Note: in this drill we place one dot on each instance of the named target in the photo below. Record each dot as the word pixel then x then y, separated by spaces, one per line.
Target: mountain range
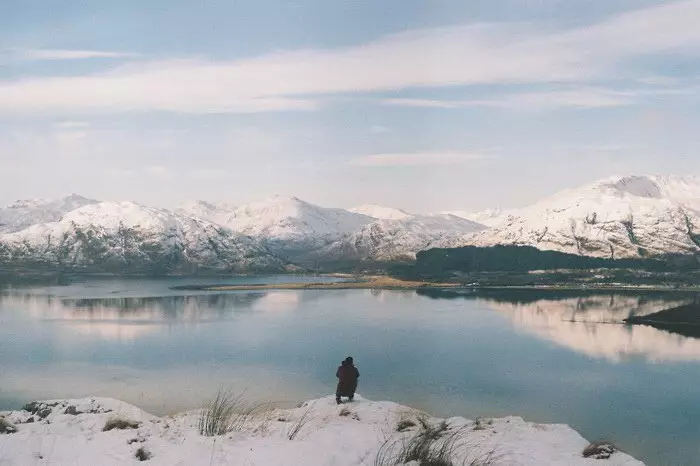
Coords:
pixel 632 216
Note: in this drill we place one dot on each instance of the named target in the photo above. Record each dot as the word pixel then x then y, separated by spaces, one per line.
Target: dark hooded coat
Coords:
pixel 347 375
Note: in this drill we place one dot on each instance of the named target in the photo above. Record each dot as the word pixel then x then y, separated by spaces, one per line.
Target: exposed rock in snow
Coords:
pixel 618 217
pixel 381 212
pixel 129 237
pixel 317 433
pixel 24 213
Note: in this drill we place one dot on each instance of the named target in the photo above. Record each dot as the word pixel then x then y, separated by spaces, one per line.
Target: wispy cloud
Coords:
pixel 65 54
pixel 578 98
pixel 70 124
pixel 379 129
pixel 418 159
pixel 468 54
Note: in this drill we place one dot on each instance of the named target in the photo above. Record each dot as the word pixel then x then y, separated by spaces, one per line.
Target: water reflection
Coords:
pixel 592 324
pixel 132 310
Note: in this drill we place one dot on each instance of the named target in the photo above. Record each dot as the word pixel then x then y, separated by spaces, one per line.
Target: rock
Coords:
pixel 599 450
pixel 6 427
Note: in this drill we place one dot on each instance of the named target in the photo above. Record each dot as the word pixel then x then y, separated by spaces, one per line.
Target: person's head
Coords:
pixel 348 360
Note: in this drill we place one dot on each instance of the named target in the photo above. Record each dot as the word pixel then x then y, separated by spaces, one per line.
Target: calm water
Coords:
pixel 547 358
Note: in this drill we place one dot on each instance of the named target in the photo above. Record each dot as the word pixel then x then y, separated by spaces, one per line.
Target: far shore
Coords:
pixel 370 282
pixel 388 283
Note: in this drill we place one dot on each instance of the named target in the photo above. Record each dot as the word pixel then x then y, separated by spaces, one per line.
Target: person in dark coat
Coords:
pixel 347 375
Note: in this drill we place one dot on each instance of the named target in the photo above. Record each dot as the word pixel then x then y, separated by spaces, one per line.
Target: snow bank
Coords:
pixel 322 433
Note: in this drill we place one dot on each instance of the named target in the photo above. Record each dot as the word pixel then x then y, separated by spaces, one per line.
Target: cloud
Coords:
pixel 379 129
pixel 157 170
pixel 577 98
pixel 61 54
pixel 70 124
pixel 461 55
pixel 418 159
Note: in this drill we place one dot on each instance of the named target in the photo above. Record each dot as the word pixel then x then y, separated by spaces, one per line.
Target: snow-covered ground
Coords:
pixel 318 432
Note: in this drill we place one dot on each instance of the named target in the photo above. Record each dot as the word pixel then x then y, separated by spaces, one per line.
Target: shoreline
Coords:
pixel 368 283
pixel 373 282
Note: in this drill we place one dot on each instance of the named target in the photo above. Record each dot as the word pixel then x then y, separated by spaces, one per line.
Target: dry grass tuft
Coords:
pixel 225 413
pixel 438 445
pixel 119 423
pixel 299 425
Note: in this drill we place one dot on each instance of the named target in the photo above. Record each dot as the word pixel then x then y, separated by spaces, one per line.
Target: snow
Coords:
pixel 27 212
pixel 488 217
pixel 287 219
pixel 107 224
pixel 216 212
pixel 70 432
pixel 616 217
pixel 387 239
pixel 377 211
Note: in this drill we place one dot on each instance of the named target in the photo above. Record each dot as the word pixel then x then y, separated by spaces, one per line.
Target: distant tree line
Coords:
pixel 435 263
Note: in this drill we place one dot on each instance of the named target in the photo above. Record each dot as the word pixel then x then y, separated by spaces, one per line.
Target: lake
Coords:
pixel 545 356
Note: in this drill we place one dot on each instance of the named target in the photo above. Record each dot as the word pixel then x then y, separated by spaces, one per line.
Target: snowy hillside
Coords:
pixel 286 224
pixel 617 217
pixel 387 240
pixel 318 432
pixel 377 211
pixel 488 217
pixel 129 237
pixel 25 213
pixel 215 212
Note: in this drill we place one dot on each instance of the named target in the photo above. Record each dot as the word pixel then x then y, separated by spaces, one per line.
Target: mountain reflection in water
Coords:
pixel 592 323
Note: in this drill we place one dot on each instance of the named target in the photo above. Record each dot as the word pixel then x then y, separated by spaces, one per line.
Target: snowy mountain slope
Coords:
pixel 307 233
pixel 387 239
pixel 377 211
pixel 488 217
pixel 617 217
pixel 129 237
pixel 24 213
pixel 287 224
pixel 215 212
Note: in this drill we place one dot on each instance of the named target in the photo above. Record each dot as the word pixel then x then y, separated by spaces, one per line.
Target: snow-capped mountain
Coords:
pixel 129 237
pixel 377 211
pixel 307 233
pixel 215 212
pixel 24 213
pixel 401 239
pixel 488 217
pixel 617 217
pixel 287 225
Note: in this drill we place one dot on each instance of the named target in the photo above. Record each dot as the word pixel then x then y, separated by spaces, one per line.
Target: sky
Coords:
pixel 421 105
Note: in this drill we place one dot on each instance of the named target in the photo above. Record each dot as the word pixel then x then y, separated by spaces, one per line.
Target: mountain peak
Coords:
pixel 635 185
pixel 380 212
